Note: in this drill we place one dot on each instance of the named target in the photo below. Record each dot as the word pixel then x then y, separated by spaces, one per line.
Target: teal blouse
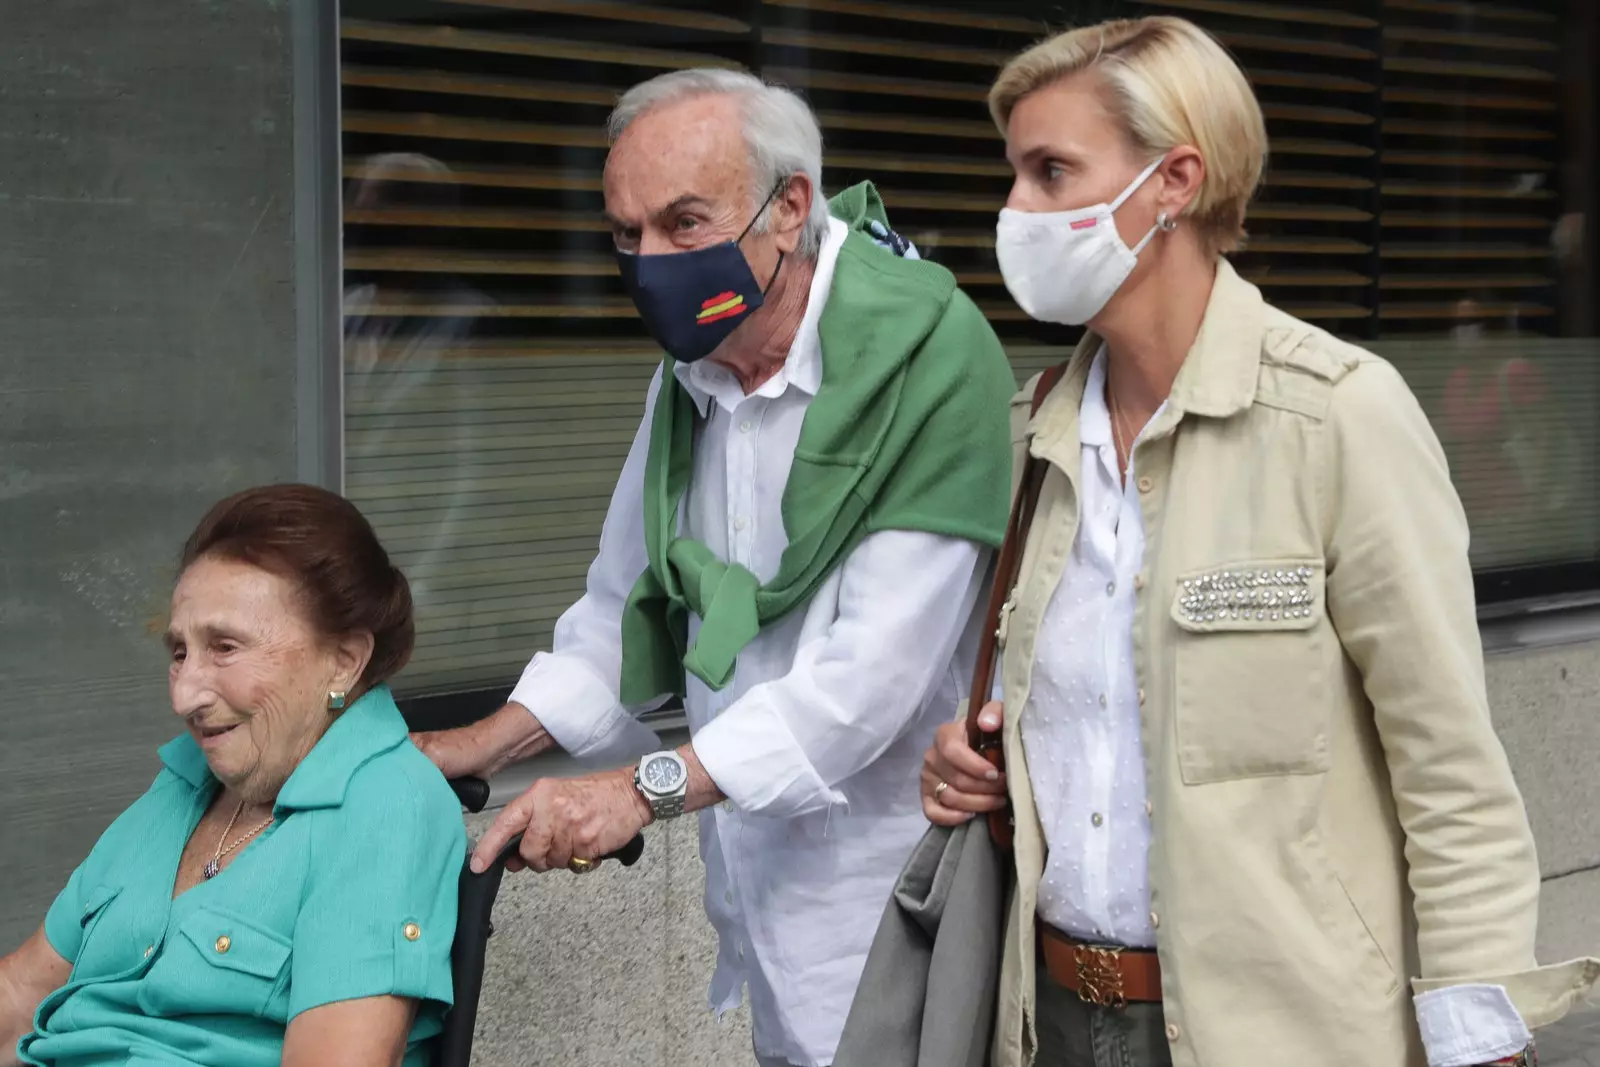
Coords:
pixel 350 893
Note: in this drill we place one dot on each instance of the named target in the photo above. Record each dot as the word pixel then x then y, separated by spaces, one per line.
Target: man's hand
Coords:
pixel 565 818
pixel 487 746
pixel 957 782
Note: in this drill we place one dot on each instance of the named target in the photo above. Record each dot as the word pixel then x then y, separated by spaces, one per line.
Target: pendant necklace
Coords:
pixel 213 866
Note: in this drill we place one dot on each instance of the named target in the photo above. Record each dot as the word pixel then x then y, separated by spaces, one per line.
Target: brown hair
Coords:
pixel 322 543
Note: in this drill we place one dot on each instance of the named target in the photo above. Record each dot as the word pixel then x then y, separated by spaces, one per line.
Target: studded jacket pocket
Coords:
pixel 1251 696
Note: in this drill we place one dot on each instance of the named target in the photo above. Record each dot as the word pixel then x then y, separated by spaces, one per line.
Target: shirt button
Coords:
pixel 1145 485
pixel 1111 589
pixel 727 806
pixel 1149 808
pixel 740 523
pixel 1173 1032
pixel 728 896
pixel 411 931
pixel 1141 698
pixel 1103 700
pixel 746 426
pixel 1097 819
pixel 1155 921
pixel 224 943
pixel 1138 581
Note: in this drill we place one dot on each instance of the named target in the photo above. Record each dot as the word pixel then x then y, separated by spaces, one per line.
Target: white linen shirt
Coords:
pixel 818 739
pixel 1080 730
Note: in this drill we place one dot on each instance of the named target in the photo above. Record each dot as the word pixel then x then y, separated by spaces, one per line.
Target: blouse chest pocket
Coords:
pixel 218 963
pixel 98 954
pixel 1251 683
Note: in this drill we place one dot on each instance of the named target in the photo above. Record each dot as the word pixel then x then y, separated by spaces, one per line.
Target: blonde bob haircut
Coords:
pixel 1168 83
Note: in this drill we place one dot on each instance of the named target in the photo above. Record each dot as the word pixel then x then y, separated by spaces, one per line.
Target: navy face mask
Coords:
pixel 691 301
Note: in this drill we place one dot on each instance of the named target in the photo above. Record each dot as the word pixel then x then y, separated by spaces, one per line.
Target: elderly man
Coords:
pixel 795 542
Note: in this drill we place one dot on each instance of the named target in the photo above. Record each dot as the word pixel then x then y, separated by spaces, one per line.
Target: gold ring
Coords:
pixel 580 866
pixel 938 792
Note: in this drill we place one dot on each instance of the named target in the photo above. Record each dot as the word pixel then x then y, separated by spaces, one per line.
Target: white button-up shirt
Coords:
pixel 1080 730
pixel 818 739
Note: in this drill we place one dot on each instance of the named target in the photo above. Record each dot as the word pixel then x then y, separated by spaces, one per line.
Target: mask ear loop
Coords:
pixel 1163 223
pixel 764 205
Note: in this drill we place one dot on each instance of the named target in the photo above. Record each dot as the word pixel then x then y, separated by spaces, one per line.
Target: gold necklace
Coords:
pixel 213 866
pixel 1116 434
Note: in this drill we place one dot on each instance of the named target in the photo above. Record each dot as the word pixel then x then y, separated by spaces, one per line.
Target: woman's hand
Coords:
pixel 957 782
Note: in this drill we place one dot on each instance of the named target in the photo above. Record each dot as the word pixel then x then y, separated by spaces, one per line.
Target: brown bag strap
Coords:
pixel 1007 567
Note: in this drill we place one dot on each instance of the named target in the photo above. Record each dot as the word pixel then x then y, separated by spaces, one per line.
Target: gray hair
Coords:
pixel 780 132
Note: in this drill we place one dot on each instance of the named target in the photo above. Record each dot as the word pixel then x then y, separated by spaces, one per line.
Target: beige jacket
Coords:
pixel 1335 822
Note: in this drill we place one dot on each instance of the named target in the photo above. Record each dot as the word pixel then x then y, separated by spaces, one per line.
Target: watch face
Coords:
pixel 662 774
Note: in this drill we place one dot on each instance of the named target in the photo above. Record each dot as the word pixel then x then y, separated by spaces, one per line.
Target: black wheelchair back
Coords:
pixel 475 904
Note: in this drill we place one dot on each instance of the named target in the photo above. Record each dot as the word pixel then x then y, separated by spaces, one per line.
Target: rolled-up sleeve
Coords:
pixel 1400 594
pixel 904 599
pixel 573 689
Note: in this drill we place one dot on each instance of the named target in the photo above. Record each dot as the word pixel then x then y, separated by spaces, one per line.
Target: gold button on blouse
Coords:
pixel 412 931
pixel 224 943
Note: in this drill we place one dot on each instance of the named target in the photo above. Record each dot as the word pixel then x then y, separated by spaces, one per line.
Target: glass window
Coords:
pixel 1423 199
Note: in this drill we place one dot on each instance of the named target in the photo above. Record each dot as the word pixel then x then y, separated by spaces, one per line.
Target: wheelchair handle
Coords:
pixel 473 792
pixel 627 855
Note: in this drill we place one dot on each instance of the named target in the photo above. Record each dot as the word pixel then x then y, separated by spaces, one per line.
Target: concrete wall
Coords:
pixel 147 368
pixel 610 970
pixel 1547 710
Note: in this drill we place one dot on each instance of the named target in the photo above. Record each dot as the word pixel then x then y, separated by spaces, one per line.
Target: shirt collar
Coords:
pixel 1094 417
pixel 706 382
pixel 369 727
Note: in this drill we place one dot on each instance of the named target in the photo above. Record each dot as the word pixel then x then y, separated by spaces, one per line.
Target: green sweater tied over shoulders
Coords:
pixel 908 431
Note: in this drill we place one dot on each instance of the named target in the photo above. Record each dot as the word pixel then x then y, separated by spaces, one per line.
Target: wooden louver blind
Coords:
pixel 1468 163
pixel 495 372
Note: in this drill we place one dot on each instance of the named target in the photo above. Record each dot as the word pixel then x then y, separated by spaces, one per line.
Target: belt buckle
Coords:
pixel 1099 976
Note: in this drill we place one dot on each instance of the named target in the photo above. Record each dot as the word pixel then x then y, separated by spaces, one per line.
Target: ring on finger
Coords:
pixel 938 792
pixel 580 866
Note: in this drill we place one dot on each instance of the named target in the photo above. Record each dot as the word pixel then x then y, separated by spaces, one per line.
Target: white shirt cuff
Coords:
pixel 1463 1025
pixel 754 759
pixel 580 711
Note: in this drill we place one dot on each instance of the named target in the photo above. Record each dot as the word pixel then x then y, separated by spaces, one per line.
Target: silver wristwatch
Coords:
pixel 663 778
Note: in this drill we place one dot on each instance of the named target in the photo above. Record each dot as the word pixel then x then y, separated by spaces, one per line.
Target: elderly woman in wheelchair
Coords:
pixel 286 889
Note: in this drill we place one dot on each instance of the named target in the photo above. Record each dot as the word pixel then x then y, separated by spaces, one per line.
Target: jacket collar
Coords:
pixel 369 727
pixel 1217 379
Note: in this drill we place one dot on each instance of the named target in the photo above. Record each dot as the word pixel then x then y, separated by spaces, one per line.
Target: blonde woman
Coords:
pixel 1262 818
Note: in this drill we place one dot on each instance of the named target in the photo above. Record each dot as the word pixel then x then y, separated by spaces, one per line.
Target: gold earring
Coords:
pixel 336 699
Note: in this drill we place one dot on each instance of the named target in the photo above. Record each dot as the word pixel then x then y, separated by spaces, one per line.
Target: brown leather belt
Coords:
pixel 1108 977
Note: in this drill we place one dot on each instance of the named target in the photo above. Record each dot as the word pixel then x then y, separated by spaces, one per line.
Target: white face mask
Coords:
pixel 1063 266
